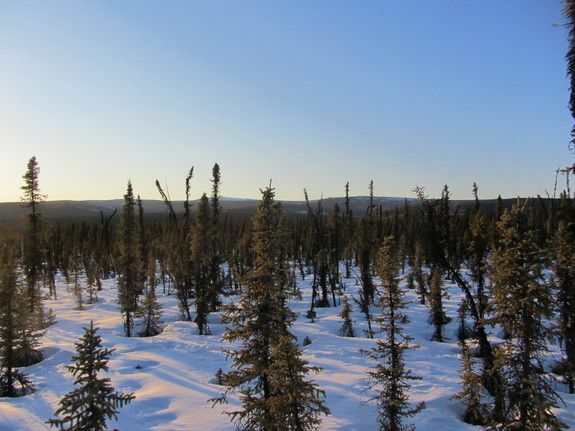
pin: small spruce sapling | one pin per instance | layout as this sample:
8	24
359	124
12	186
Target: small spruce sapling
472	392
150	309
89	406
346	329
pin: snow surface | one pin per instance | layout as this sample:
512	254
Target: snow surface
172	374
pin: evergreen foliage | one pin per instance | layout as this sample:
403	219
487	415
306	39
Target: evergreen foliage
437	316
34	237
346	329
260	323
565	280
479	228
215	285
202	255
522	302
12	302
150	309
175	247
472	392
296	403
128	261
389	376
95	401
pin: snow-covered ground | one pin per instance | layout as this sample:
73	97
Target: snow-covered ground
172	374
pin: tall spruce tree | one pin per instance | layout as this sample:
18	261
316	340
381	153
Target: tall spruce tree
216	283
522	302
33	240
128	262
569	13
348	233
565	274
201	252
176	246
12	381
389	376
89	406
478	251
259	323
334	255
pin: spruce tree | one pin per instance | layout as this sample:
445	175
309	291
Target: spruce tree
33	240
150	309
478	251
418	273
201	252
258	323
364	245
437	316
565	273
348	233
89	406
522	302
143	244
216	284
565	281
12	381
334	251
472	393
177	250
76	269
296	403
346	329
569	13
364	303
389	376
31	327
128	262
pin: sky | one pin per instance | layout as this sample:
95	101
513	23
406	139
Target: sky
306	93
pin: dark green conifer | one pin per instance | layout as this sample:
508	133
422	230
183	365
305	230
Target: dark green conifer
89	406
150	309
201	252
389	376
128	262
12	381
348	233
437	316
565	272
76	270
346	329
216	284
334	255
33	240
522	302
472	393
296	403
418	273
478	251
259	323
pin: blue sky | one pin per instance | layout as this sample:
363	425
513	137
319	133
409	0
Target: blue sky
308	93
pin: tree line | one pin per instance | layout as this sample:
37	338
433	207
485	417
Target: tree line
515	268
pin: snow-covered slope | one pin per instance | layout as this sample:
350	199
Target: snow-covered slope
172	374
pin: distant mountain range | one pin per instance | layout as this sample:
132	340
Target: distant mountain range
12	213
